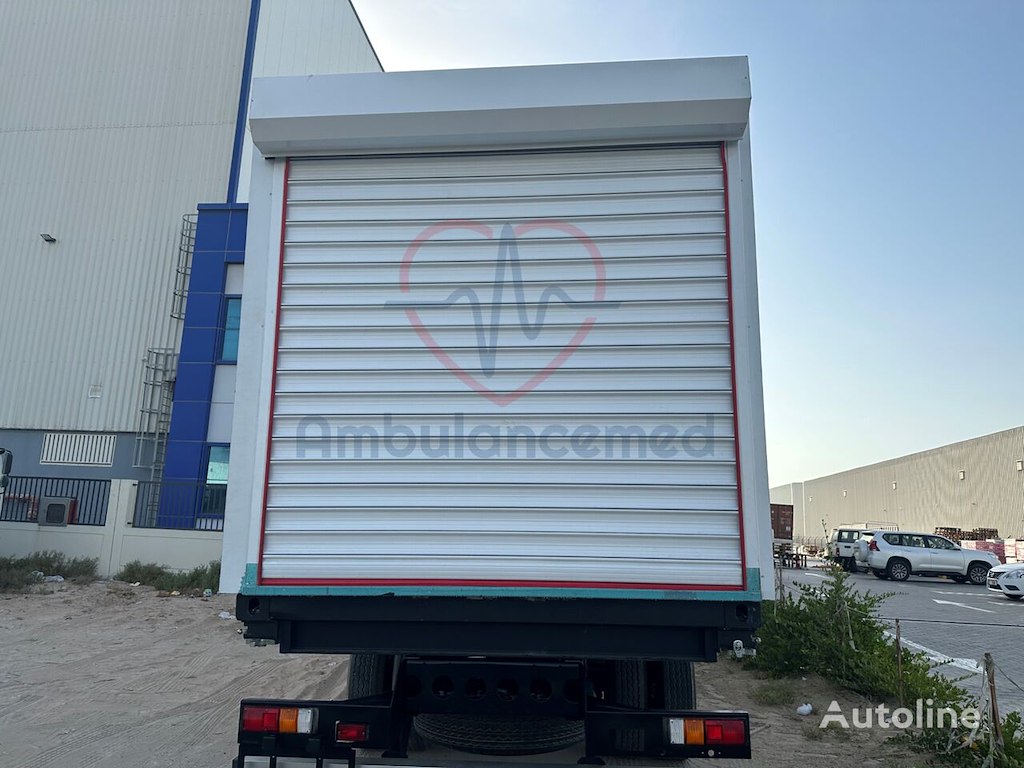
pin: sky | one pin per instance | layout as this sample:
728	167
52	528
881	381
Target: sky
888	197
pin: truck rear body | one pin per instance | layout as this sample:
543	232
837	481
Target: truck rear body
499	372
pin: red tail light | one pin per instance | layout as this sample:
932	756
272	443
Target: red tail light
873	545
725	732
351	733
260	719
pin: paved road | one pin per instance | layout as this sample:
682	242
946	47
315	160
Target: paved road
960	623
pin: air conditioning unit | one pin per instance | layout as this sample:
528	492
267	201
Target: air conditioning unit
57	510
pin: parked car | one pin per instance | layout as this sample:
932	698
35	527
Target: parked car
1007	580
897	555
842	546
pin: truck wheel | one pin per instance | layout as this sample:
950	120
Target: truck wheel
495	735
680	685
630	681
368	675
635	687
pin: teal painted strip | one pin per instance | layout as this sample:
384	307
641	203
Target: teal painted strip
753	592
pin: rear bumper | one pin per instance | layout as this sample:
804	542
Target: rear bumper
877	561
693	630
384	724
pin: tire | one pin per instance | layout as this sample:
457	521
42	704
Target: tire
879	573
680	685
977	573
1013	597
633	688
862	551
368	675
898	569
630	681
499	735
495	735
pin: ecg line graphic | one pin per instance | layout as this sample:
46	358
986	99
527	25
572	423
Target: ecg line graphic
488	329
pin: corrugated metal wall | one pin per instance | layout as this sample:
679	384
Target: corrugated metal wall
117	118
306	37
310	37
928	489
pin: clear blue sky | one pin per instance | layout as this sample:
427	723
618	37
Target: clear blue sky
888	173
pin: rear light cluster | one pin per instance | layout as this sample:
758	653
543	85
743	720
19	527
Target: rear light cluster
301	720
278	719
873	545
714	732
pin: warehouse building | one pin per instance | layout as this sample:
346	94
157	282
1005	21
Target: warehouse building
972	484
126	158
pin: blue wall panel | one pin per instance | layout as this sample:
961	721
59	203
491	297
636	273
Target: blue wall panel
220	240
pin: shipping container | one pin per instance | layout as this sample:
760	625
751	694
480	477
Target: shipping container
782	521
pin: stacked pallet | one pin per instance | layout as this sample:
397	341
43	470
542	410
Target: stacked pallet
982	534
1014	550
996	546
987	540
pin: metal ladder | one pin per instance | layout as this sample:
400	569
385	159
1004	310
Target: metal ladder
160	366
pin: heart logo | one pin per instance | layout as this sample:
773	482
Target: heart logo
507	276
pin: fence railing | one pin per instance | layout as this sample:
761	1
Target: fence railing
180	504
23	496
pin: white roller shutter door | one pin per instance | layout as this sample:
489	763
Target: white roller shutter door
505	368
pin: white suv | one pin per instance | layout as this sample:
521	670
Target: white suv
897	555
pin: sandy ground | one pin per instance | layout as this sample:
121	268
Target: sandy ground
113	676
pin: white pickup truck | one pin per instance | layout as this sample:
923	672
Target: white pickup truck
498	425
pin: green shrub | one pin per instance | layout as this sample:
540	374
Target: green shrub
833	631
153	575
20	572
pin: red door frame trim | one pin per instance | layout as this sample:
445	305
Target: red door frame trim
260	580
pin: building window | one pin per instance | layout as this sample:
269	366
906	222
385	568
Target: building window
216	491
217	464
229	329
